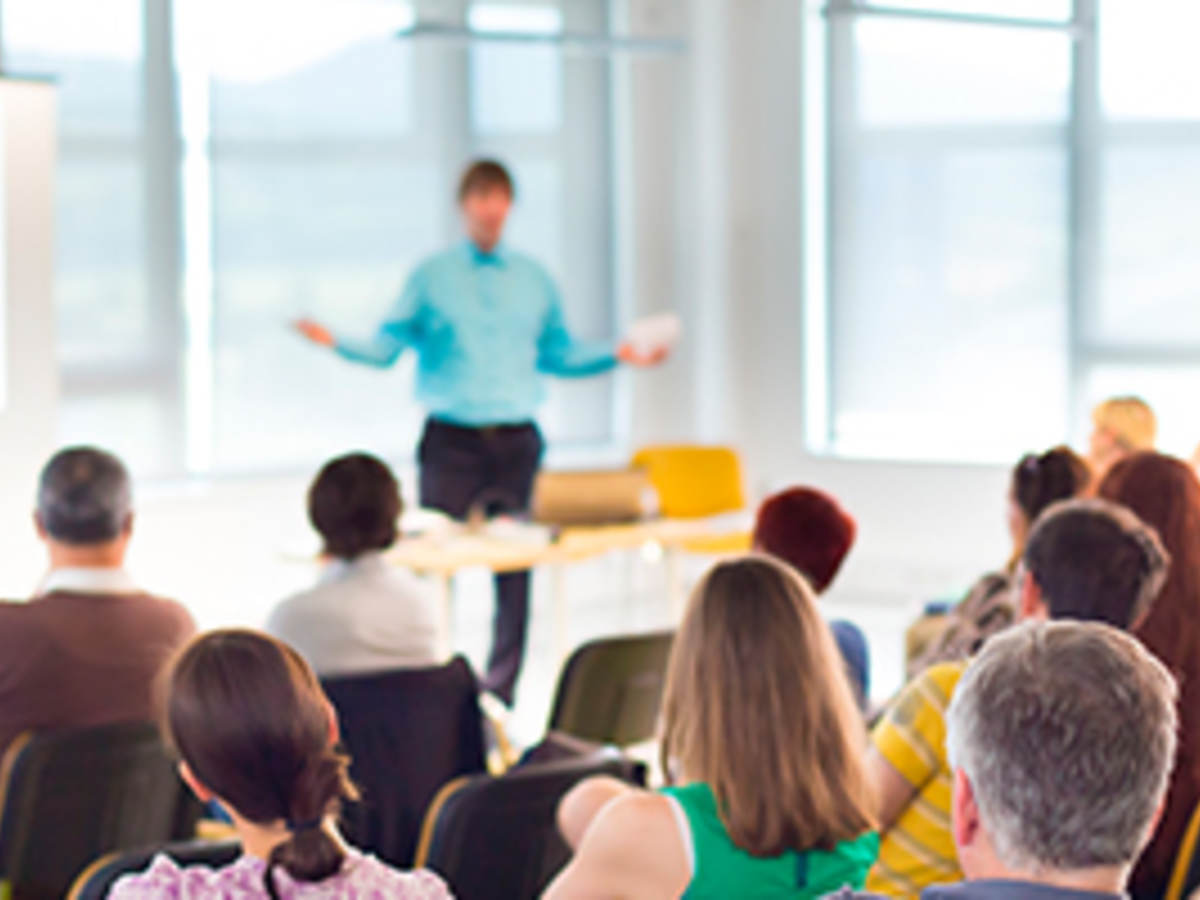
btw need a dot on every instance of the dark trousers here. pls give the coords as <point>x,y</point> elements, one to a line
<point>492,468</point>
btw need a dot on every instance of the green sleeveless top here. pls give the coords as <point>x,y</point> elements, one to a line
<point>723,869</point>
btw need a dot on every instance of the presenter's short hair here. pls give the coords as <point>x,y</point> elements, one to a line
<point>84,496</point>
<point>485,175</point>
<point>354,504</point>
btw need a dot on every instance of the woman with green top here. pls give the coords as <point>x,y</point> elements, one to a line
<point>762,743</point>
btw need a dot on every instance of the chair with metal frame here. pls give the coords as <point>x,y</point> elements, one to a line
<point>497,838</point>
<point>408,732</point>
<point>70,796</point>
<point>611,688</point>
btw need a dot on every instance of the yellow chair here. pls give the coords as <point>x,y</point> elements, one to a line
<point>693,481</point>
<point>1185,875</point>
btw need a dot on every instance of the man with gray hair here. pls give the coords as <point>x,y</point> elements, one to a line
<point>1087,560</point>
<point>86,649</point>
<point>1061,737</point>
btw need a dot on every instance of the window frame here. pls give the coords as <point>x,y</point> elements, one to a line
<point>828,46</point>
<point>175,153</point>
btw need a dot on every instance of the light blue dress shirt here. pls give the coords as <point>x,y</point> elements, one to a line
<point>486,327</point>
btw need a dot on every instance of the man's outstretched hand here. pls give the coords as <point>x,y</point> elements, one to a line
<point>627,354</point>
<point>315,332</point>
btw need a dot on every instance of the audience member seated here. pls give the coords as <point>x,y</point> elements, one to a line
<point>1037,481</point>
<point>1120,426</point>
<point>255,732</point>
<point>762,743</point>
<point>1061,737</point>
<point>85,650</point>
<point>364,614</point>
<point>1165,493</point>
<point>811,532</point>
<point>1085,559</point>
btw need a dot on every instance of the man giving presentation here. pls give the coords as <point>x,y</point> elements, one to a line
<point>486,323</point>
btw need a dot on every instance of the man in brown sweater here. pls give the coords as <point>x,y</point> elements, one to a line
<point>85,650</point>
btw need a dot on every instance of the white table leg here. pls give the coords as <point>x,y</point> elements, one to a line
<point>445,588</point>
<point>673,559</point>
<point>558,599</point>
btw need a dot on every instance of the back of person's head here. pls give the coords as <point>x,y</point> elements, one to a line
<point>809,530</point>
<point>1040,479</point>
<point>757,706</point>
<point>249,719</point>
<point>485,175</point>
<point>1065,732</point>
<point>1129,421</point>
<point>84,497</point>
<point>1165,494</point>
<point>1094,560</point>
<point>354,504</point>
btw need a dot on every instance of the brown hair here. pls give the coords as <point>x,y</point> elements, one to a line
<point>485,175</point>
<point>1165,494</point>
<point>354,503</point>
<point>247,715</point>
<point>757,706</point>
<point>1096,561</point>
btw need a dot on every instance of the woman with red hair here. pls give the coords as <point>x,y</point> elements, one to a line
<point>808,530</point>
<point>1165,493</point>
<point>812,533</point>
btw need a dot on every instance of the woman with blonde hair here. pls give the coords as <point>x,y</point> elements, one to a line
<point>762,744</point>
<point>1121,426</point>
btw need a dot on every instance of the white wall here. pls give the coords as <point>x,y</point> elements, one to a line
<point>717,160</point>
<point>27,415</point>
<point>713,203</point>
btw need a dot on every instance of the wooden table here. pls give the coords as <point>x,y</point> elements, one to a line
<point>505,546</point>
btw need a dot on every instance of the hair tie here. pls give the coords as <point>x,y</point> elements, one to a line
<point>308,825</point>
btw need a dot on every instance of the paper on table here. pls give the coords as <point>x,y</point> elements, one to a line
<point>654,333</point>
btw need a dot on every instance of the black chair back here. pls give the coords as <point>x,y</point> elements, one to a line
<point>97,880</point>
<point>408,732</point>
<point>497,838</point>
<point>71,796</point>
<point>610,689</point>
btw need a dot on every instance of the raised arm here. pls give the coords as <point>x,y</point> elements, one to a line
<point>560,353</point>
<point>400,330</point>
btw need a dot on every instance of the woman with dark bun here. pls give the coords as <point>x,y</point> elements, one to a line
<point>1038,480</point>
<point>254,731</point>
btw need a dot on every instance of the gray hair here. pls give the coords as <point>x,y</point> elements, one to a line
<point>84,496</point>
<point>1066,732</point>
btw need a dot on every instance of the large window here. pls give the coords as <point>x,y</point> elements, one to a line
<point>230,166</point>
<point>1008,194</point>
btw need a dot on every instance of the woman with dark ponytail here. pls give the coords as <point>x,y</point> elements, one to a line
<point>1037,481</point>
<point>255,732</point>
